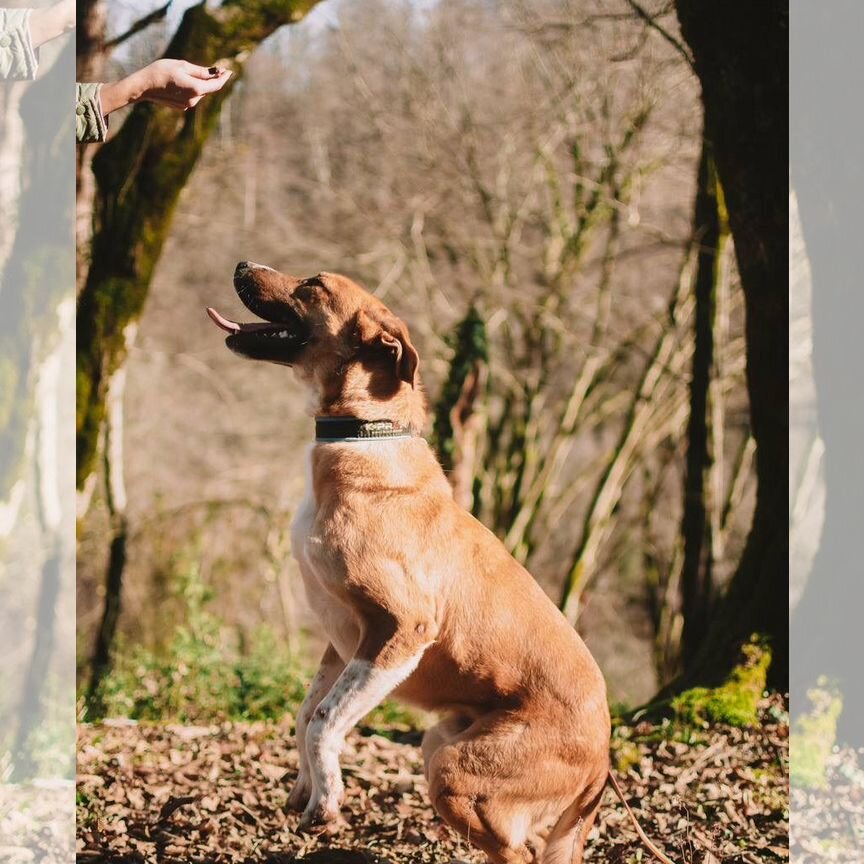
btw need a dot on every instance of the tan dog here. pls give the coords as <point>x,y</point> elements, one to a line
<point>417,598</point>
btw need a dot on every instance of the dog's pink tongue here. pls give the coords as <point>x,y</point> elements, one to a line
<point>233,327</point>
<point>224,323</point>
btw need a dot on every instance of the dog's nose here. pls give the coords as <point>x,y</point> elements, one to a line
<point>245,266</point>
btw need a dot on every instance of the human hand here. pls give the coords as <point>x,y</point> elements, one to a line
<point>50,22</point>
<point>174,83</point>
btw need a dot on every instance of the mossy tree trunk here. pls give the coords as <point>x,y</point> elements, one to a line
<point>139,176</point>
<point>698,522</point>
<point>740,55</point>
<point>459,409</point>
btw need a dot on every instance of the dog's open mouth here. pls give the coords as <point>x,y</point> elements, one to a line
<point>262,328</point>
<point>278,341</point>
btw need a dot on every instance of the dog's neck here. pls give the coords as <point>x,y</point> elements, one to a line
<point>345,429</point>
<point>352,394</point>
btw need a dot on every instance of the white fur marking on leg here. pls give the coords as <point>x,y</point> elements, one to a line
<point>360,688</point>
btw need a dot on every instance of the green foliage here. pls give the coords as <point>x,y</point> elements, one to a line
<point>393,717</point>
<point>625,754</point>
<point>49,748</point>
<point>51,744</point>
<point>202,674</point>
<point>470,344</point>
<point>736,701</point>
<point>814,736</point>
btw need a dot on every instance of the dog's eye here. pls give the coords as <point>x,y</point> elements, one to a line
<point>311,289</point>
<point>305,293</point>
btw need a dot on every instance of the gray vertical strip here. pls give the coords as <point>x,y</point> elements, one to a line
<point>827,431</point>
<point>37,610</point>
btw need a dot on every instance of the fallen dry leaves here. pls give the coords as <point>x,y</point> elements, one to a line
<point>217,794</point>
<point>828,825</point>
<point>37,822</point>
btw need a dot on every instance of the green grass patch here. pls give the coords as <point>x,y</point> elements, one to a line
<point>206,673</point>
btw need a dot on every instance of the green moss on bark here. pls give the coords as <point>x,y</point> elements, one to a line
<point>736,701</point>
<point>470,345</point>
<point>813,737</point>
<point>140,174</point>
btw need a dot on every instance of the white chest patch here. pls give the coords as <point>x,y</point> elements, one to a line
<point>304,519</point>
<point>336,620</point>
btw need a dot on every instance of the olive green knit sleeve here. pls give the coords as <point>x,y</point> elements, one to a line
<point>17,57</point>
<point>90,122</point>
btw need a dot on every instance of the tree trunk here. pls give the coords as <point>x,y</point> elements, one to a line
<point>139,176</point>
<point>33,299</point>
<point>741,58</point>
<point>459,410</point>
<point>31,706</point>
<point>115,496</point>
<point>700,505</point>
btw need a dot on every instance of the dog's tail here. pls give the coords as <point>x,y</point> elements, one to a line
<point>642,835</point>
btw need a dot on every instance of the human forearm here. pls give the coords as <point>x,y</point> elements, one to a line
<point>119,94</point>
<point>51,21</point>
<point>175,83</point>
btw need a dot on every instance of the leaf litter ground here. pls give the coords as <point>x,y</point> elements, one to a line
<point>189,794</point>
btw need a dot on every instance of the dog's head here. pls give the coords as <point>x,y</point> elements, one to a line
<point>322,326</point>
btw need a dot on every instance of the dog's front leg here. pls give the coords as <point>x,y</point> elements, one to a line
<point>375,671</point>
<point>329,670</point>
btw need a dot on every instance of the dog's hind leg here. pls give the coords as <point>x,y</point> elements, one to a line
<point>476,786</point>
<point>440,734</point>
<point>330,669</point>
<point>501,784</point>
<point>566,841</point>
<point>465,814</point>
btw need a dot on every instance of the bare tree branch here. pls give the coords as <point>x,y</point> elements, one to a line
<point>652,22</point>
<point>141,24</point>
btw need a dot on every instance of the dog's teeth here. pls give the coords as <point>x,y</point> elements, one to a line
<point>283,334</point>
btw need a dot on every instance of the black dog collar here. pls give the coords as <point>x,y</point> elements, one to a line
<point>335,429</point>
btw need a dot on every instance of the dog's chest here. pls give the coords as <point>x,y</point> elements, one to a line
<point>337,620</point>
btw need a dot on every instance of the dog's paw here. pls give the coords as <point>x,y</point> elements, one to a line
<point>322,816</point>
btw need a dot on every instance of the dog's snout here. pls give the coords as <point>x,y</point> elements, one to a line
<point>263,290</point>
<point>244,267</point>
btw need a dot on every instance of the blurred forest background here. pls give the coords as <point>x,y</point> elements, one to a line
<point>528,186</point>
<point>37,500</point>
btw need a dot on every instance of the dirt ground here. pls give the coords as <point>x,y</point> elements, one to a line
<point>216,794</point>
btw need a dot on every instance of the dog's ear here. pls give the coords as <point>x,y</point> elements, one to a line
<point>390,334</point>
